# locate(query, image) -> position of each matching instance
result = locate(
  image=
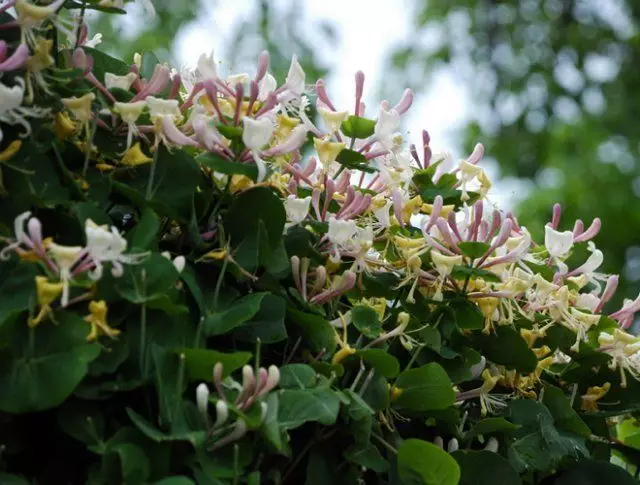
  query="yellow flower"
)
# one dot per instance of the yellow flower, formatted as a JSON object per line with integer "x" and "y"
{"x": 10, "y": 151}
{"x": 395, "y": 393}
{"x": 63, "y": 126}
{"x": 345, "y": 349}
{"x": 98, "y": 321}
{"x": 327, "y": 151}
{"x": 411, "y": 207}
{"x": 593, "y": 395}
{"x": 80, "y": 107}
{"x": 217, "y": 254}
{"x": 285, "y": 125}
{"x": 134, "y": 156}
{"x": 41, "y": 58}
{"x": 47, "y": 293}
{"x": 239, "y": 183}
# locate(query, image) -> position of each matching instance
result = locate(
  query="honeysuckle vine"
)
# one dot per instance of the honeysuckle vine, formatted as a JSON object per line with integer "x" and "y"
{"x": 163, "y": 227}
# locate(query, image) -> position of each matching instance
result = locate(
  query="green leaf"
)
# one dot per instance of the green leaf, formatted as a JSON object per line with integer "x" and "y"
{"x": 564, "y": 415}
{"x": 473, "y": 249}
{"x": 468, "y": 315}
{"x": 297, "y": 407}
{"x": 358, "y": 127}
{"x": 103, "y": 63}
{"x": 221, "y": 165}
{"x": 196, "y": 438}
{"x": 175, "y": 481}
{"x": 82, "y": 421}
{"x": 148, "y": 65}
{"x": 255, "y": 222}
{"x": 506, "y": 347}
{"x": 145, "y": 233}
{"x": 422, "y": 463}
{"x": 354, "y": 160}
{"x": 239, "y": 312}
{"x": 86, "y": 210}
{"x": 490, "y": 426}
{"x": 43, "y": 365}
{"x": 591, "y": 472}
{"x": 17, "y": 288}
{"x": 134, "y": 464}
{"x": 426, "y": 388}
{"x": 366, "y": 320}
{"x": 200, "y": 362}
{"x": 315, "y": 330}
{"x": 297, "y": 376}
{"x": 367, "y": 456}
{"x": 464, "y": 272}
{"x": 267, "y": 324}
{"x": 147, "y": 281}
{"x": 8, "y": 479}
{"x": 382, "y": 361}
{"x": 485, "y": 468}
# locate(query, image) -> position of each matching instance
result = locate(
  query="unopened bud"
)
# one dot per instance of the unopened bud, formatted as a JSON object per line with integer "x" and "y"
{"x": 202, "y": 398}
{"x": 492, "y": 445}
{"x": 222, "y": 413}
{"x": 453, "y": 445}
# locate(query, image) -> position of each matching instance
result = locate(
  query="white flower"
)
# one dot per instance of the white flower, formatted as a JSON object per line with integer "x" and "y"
{"x": 107, "y": 246}
{"x": 202, "y": 398}
{"x": 444, "y": 264}
{"x": 297, "y": 209}
{"x": 382, "y": 214}
{"x": 295, "y": 77}
{"x": 257, "y": 133}
{"x": 388, "y": 122}
{"x": 558, "y": 244}
{"x": 130, "y": 112}
{"x": 207, "y": 68}
{"x": 65, "y": 258}
{"x": 341, "y": 232}
{"x": 121, "y": 82}
{"x": 445, "y": 165}
{"x": 159, "y": 108}
{"x": 95, "y": 41}
{"x": 266, "y": 85}
{"x": 179, "y": 262}
{"x": 11, "y": 111}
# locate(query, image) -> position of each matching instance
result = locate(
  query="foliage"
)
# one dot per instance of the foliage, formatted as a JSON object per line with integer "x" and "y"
{"x": 187, "y": 298}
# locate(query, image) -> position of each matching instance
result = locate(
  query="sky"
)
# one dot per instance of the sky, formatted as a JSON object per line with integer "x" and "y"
{"x": 442, "y": 107}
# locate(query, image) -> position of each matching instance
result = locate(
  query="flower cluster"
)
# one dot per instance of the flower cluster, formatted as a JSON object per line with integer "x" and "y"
{"x": 237, "y": 211}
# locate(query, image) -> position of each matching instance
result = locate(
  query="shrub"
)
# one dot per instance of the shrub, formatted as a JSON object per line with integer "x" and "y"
{"x": 204, "y": 282}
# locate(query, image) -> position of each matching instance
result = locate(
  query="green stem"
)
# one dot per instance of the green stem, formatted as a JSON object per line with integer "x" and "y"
{"x": 414, "y": 356}
{"x": 143, "y": 328}
{"x": 216, "y": 292}
{"x": 80, "y": 22}
{"x": 152, "y": 174}
{"x": 236, "y": 459}
{"x": 384, "y": 443}
{"x": 91, "y": 130}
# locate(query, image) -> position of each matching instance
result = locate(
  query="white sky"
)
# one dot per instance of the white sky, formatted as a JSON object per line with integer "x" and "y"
{"x": 442, "y": 108}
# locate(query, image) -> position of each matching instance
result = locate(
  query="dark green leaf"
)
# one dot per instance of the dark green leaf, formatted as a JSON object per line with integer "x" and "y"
{"x": 222, "y": 165}
{"x": 354, "y": 160}
{"x": 239, "y": 312}
{"x": 382, "y": 361}
{"x": 315, "y": 330}
{"x": 464, "y": 272}
{"x": 145, "y": 234}
{"x": 44, "y": 368}
{"x": 367, "y": 456}
{"x": 485, "y": 468}
{"x": 591, "y": 472}
{"x": 490, "y": 426}
{"x": 506, "y": 347}
{"x": 423, "y": 463}
{"x": 297, "y": 407}
{"x": 297, "y": 376}
{"x": 366, "y": 320}
{"x": 267, "y": 324}
{"x": 425, "y": 388}
{"x": 200, "y": 362}
{"x": 147, "y": 281}
{"x": 17, "y": 288}
{"x": 563, "y": 414}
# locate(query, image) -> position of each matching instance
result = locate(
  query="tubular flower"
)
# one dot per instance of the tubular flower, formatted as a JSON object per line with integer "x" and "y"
{"x": 97, "y": 318}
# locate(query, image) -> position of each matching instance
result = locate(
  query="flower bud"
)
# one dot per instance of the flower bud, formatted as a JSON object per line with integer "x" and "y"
{"x": 202, "y": 398}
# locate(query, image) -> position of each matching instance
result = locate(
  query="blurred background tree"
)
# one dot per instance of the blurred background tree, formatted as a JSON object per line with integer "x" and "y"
{"x": 555, "y": 90}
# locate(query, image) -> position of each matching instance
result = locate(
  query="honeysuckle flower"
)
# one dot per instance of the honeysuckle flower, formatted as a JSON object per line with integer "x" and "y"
{"x": 130, "y": 113}
{"x": 387, "y": 123}
{"x": 445, "y": 165}
{"x": 121, "y": 82}
{"x": 97, "y": 318}
{"x": 624, "y": 350}
{"x": 47, "y": 293}
{"x": 267, "y": 85}
{"x": 80, "y": 107}
{"x": 255, "y": 135}
{"x": 65, "y": 258}
{"x": 179, "y": 261}
{"x": 341, "y": 232}
{"x": 26, "y": 243}
{"x": 593, "y": 395}
{"x": 558, "y": 244}
{"x": 295, "y": 78}
{"x": 32, "y": 16}
{"x": 11, "y": 110}
{"x": 108, "y": 246}
{"x": 333, "y": 119}
{"x": 444, "y": 264}
{"x": 15, "y": 60}
{"x": 202, "y": 399}
{"x": 134, "y": 157}
{"x": 327, "y": 151}
{"x": 297, "y": 209}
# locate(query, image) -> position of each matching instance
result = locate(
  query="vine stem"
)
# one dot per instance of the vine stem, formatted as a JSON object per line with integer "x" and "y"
{"x": 143, "y": 328}
{"x": 384, "y": 443}
{"x": 152, "y": 174}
